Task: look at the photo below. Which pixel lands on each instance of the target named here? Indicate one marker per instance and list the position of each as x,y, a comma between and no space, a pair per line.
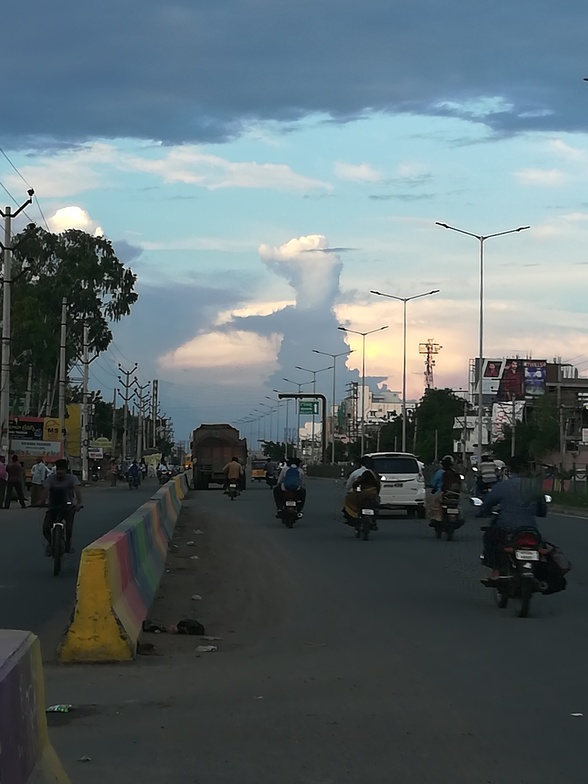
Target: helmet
447,461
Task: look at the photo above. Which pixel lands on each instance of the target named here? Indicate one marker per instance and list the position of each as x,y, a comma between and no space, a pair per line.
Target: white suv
403,482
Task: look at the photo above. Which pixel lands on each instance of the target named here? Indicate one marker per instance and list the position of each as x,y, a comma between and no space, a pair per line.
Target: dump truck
212,447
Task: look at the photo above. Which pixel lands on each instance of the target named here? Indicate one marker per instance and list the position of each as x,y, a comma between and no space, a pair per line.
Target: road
345,661
30,597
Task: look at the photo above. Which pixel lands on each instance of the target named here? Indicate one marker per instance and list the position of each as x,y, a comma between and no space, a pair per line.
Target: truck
212,447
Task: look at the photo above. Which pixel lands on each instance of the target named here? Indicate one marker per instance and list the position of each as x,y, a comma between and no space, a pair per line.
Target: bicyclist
61,491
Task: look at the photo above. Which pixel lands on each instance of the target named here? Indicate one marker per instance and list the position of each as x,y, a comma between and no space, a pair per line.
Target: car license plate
527,555
398,484
367,512
290,503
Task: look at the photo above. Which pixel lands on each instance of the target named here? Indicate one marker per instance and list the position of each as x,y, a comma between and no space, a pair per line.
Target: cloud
190,166
314,276
73,218
216,71
227,350
544,177
361,172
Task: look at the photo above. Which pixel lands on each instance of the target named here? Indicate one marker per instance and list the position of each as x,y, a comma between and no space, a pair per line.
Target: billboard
491,374
35,437
535,376
512,383
503,415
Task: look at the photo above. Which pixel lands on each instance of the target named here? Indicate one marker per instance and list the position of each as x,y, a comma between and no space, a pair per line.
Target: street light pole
334,358
363,335
299,385
404,301
314,375
481,239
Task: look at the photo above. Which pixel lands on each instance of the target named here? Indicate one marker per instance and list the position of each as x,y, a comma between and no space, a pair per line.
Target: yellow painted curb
94,633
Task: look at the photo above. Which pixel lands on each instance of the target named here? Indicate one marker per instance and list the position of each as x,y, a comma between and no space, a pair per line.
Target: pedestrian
39,473
14,483
3,479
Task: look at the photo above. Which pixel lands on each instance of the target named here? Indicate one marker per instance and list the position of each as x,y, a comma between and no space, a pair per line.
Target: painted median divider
118,578
26,755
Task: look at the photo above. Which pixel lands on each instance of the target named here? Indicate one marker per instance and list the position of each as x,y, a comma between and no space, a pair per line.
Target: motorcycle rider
487,474
233,472
446,479
520,502
271,469
59,490
134,472
365,479
290,480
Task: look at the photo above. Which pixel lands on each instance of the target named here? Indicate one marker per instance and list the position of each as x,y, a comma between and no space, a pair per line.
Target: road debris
206,649
59,709
85,758
196,597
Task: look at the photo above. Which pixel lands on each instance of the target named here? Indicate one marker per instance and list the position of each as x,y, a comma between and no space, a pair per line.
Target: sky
262,166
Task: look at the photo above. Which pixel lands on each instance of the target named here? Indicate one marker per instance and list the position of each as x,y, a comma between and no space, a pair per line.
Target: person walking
39,473
3,479
15,483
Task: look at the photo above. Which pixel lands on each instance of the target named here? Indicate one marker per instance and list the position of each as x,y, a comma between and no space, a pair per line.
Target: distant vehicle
403,482
258,470
212,447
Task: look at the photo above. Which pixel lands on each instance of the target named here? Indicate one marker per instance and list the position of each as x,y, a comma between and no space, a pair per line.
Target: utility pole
63,375
113,438
514,428
128,395
154,411
142,398
86,378
8,215
27,404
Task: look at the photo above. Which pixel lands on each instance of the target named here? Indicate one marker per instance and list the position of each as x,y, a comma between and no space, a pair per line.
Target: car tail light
420,477
526,541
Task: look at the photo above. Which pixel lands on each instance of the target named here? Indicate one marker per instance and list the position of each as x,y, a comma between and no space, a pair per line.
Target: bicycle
58,535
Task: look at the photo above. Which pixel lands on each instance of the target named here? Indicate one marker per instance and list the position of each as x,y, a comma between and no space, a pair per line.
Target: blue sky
263,166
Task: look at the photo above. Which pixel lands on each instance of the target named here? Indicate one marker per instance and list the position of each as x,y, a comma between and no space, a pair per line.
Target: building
380,407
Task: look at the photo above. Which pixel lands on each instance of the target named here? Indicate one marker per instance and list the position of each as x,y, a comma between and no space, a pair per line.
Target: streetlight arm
461,231
406,299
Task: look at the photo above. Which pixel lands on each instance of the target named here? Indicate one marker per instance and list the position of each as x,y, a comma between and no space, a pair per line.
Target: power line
28,186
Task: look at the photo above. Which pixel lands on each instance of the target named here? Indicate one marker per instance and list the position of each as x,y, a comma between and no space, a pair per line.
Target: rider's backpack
291,479
451,482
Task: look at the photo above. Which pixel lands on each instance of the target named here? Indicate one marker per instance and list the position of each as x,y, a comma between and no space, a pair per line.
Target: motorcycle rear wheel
525,598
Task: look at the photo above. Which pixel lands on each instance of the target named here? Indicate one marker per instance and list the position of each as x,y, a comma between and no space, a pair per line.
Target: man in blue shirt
520,502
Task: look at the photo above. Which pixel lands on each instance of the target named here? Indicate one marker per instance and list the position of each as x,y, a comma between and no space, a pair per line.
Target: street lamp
314,375
334,358
297,384
481,239
286,433
267,397
363,336
404,300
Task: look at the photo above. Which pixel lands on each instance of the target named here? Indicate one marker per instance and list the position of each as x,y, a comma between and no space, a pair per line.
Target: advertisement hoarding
535,376
491,374
512,383
503,415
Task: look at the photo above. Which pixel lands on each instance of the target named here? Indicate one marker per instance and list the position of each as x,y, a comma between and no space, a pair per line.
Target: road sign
308,407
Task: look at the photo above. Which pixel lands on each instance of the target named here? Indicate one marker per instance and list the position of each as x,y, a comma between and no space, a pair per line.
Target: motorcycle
450,514
164,476
365,522
290,510
271,481
134,481
526,567
233,491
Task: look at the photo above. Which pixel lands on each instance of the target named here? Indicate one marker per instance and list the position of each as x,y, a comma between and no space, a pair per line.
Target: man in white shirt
39,473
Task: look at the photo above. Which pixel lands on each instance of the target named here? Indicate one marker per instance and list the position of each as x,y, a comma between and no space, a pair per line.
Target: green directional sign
308,407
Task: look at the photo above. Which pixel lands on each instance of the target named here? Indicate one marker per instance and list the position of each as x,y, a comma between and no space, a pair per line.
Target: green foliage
273,450
75,265
436,413
536,436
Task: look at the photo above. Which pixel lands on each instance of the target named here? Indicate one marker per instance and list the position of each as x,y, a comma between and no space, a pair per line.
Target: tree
536,436
47,267
436,414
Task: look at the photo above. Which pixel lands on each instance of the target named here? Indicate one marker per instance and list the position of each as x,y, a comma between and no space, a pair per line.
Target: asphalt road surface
30,597
344,662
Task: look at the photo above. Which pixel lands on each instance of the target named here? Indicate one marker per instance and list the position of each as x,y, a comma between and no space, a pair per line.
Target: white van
403,482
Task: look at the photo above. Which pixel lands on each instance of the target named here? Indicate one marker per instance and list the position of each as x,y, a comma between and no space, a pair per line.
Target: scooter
451,518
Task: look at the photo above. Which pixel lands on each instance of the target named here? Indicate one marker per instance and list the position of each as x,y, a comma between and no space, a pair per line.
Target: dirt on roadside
214,573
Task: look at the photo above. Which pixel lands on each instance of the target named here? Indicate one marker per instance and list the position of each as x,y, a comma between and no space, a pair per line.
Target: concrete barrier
26,755
118,578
